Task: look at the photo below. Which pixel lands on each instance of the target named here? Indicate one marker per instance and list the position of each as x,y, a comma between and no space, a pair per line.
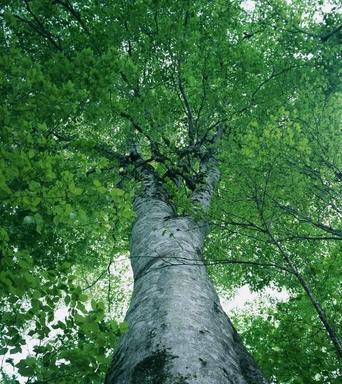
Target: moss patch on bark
153,369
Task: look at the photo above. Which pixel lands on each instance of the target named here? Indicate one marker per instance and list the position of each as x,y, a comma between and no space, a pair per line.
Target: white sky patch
300,55
243,299
326,7
248,5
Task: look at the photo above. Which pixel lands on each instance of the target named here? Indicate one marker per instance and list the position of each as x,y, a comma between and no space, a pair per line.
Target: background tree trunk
178,332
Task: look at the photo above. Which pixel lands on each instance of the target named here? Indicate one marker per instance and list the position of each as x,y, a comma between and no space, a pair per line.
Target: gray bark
178,332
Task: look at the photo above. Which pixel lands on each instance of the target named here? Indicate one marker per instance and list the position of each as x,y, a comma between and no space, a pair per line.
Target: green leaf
116,192
28,220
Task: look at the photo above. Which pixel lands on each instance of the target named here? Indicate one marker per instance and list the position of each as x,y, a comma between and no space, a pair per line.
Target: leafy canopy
82,82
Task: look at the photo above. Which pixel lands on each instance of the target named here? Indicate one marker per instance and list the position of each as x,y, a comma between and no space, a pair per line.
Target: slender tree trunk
335,339
178,332
313,299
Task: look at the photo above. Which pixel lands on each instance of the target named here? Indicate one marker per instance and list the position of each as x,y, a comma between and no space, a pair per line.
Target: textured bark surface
178,332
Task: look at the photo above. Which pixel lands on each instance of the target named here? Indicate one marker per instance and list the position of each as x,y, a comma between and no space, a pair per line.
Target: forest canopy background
84,81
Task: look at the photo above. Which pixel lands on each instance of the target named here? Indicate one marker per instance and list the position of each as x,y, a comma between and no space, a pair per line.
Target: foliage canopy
83,81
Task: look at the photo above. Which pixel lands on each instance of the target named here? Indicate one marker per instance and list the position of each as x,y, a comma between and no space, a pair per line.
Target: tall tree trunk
178,332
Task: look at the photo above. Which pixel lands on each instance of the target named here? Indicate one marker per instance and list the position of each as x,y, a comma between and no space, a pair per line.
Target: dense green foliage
81,81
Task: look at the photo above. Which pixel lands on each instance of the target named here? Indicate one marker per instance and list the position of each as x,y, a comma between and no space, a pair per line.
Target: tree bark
178,332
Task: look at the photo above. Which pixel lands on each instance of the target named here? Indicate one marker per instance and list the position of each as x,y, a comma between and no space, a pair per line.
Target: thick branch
205,189
76,14
209,174
306,219
40,29
323,37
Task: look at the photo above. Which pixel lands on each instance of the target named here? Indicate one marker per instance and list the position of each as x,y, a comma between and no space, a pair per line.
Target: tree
207,116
